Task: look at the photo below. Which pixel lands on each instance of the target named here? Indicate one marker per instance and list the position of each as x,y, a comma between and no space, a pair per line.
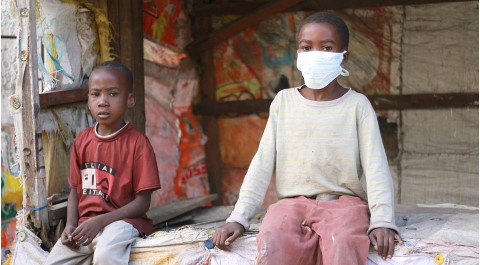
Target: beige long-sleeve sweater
320,147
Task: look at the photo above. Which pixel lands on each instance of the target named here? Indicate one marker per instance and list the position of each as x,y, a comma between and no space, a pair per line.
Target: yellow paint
439,259
48,61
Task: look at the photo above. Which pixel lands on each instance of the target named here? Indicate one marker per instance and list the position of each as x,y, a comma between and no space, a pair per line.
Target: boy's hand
87,231
226,234
383,241
66,237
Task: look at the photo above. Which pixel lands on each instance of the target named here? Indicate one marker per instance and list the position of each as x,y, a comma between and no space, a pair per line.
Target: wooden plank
160,214
379,102
251,19
59,97
309,6
127,24
30,144
223,9
424,101
233,107
57,212
209,123
178,207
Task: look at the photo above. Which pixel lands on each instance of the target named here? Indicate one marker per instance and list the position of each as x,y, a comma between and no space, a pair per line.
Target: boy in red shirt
113,172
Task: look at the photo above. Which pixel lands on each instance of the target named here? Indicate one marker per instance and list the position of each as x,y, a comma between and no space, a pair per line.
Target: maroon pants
302,231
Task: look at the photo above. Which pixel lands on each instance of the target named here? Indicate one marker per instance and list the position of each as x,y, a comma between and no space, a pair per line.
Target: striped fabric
320,147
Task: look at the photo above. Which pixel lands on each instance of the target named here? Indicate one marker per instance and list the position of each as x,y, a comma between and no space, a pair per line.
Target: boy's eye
94,94
113,94
306,48
326,48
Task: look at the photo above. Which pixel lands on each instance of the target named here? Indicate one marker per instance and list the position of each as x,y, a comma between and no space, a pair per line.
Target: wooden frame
59,97
222,9
379,102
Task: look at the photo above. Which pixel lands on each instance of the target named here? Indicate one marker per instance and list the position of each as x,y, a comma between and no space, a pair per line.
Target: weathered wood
232,107
33,165
239,25
223,9
209,123
127,24
178,207
379,102
59,97
245,8
424,101
56,213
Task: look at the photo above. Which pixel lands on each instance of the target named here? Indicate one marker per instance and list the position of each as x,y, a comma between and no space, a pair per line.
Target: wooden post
239,25
127,23
33,167
210,123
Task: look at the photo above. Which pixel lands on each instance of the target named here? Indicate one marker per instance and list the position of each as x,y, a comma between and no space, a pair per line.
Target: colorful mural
166,22
12,193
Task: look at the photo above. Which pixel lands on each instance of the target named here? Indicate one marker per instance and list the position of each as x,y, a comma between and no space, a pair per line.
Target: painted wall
11,189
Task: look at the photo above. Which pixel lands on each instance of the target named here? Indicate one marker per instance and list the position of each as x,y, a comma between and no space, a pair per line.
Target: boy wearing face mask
321,141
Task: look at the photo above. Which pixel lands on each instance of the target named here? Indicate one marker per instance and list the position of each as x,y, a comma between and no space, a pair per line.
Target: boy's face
108,99
319,37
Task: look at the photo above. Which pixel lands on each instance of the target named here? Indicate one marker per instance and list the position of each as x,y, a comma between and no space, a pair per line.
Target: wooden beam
424,101
160,214
251,19
57,212
178,207
209,123
311,6
30,143
127,24
379,102
59,97
233,107
223,9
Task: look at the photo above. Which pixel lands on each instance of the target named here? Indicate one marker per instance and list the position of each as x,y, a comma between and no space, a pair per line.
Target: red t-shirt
108,171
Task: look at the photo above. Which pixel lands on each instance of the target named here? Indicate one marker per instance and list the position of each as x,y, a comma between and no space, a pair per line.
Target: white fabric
185,235
320,68
27,248
430,238
414,259
242,252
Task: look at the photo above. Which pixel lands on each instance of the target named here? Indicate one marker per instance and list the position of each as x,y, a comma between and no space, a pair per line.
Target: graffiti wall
11,192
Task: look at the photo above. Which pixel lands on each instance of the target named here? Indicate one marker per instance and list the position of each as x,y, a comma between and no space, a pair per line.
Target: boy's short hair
120,67
337,22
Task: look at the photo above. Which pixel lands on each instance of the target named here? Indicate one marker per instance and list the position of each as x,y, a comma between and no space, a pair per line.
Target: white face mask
320,68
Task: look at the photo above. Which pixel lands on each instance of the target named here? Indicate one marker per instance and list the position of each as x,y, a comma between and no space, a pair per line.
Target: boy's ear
131,100
345,57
